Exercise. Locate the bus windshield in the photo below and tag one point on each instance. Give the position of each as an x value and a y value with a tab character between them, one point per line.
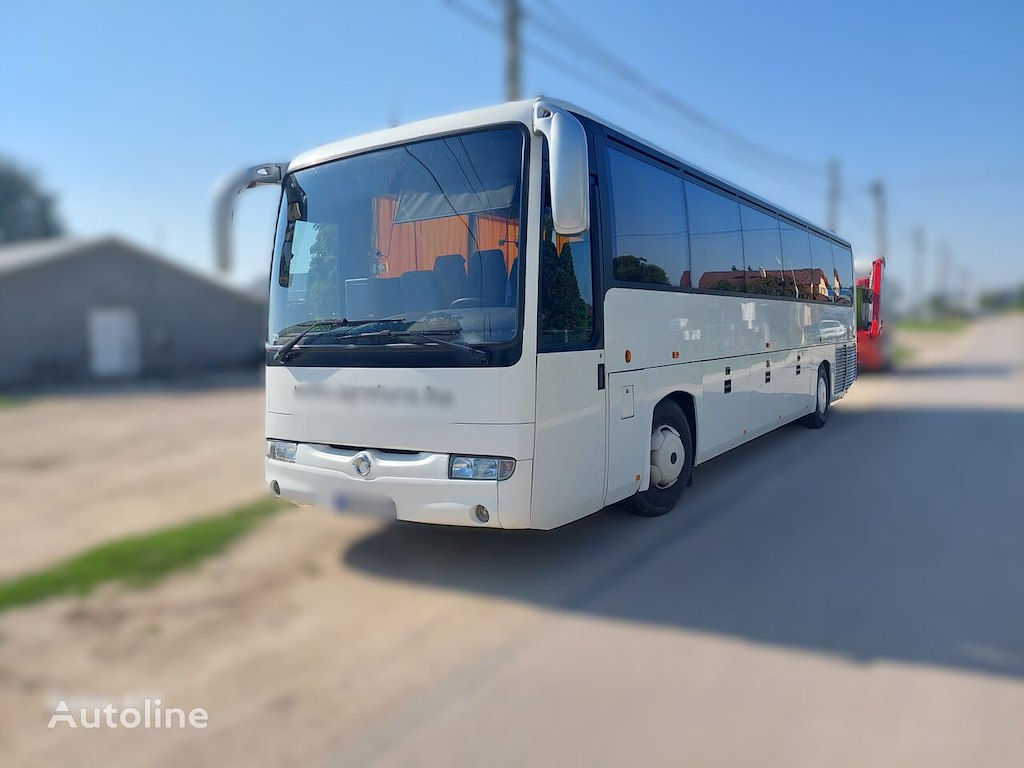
421	239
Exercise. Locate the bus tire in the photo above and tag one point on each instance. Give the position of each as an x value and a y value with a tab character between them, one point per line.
671	462
822	401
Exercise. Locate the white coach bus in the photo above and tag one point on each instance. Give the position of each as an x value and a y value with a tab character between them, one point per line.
515	316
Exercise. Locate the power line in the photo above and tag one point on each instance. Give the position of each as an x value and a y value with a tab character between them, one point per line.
473	15
490	25
630	85
634	82
586	44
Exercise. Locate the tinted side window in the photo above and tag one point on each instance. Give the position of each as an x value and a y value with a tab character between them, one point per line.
762	252
566	284
796	256
842	279
821	262
715	240
648	222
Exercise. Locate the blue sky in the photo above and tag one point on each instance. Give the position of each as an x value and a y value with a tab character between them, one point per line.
131	112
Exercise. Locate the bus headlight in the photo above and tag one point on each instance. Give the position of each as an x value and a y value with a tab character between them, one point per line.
480	468
281	450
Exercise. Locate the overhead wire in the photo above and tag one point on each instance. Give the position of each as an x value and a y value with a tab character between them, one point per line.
483	22
755	153
584	43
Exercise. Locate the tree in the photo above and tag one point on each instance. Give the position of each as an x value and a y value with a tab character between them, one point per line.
562	305
1004	299
635	269
769	285
26	212
324	281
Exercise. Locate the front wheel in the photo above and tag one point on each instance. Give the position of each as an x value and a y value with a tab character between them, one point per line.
671	462
822	398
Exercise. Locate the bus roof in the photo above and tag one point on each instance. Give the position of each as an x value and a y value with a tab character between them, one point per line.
510	112
514	112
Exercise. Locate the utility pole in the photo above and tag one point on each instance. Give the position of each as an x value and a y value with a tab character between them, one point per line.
512	91
881	224
917	280
965	290
944	266
834	195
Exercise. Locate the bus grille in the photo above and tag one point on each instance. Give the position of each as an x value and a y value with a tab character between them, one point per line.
845	368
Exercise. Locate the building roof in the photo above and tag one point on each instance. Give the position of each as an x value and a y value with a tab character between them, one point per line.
28	253
15	257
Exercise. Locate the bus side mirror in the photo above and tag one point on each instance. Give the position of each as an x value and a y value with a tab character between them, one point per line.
569	167
224	205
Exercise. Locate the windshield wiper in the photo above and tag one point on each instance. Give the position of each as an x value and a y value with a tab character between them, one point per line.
371	321
480	354
286	349
331	322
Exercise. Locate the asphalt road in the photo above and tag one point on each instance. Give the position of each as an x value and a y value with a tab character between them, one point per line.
853	596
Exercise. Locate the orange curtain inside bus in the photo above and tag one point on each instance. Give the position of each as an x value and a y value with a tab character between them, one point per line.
500	233
415	245
561	240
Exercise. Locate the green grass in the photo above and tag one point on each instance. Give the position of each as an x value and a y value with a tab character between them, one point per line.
9	402
942	325
137	561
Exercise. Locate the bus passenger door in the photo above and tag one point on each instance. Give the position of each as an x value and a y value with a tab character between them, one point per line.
569	448
569	453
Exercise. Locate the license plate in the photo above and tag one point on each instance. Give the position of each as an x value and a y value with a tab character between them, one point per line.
373	506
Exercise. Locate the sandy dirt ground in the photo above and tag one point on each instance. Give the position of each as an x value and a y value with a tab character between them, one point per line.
81	469
846	597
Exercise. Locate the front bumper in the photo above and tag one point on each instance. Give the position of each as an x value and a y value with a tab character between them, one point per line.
407	486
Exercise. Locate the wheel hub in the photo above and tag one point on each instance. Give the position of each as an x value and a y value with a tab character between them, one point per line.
822	395
667	456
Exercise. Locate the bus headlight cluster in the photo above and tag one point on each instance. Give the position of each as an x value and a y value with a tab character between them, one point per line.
281	450
480	468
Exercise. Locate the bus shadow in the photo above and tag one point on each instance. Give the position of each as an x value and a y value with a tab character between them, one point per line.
893	534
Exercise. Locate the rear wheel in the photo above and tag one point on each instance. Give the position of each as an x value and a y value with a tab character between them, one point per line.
822	399
671	461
